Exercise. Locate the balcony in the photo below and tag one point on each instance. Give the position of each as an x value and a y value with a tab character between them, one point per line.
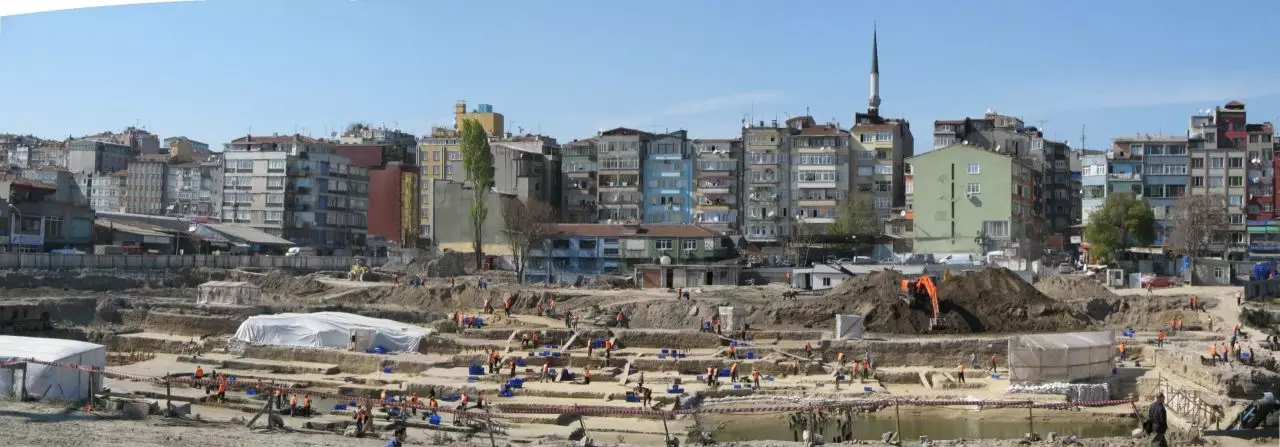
771	197
824	184
1125	177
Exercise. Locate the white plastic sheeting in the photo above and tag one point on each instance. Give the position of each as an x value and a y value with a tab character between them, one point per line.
848	327
329	330
732	318
1070	357
1075	392
50	382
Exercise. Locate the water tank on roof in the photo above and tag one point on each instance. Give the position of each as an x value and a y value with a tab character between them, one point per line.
484	108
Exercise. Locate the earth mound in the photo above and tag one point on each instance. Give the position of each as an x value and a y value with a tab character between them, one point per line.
993	300
1074	288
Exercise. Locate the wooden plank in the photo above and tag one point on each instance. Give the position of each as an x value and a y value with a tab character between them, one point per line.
626	372
513	336
569	345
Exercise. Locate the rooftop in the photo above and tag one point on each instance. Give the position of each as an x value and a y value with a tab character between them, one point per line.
644	230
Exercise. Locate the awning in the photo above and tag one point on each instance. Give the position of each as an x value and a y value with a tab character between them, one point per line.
125	228
247	234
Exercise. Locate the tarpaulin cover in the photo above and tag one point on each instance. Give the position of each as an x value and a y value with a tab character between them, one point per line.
328	330
1070	357
50	382
229	293
848	327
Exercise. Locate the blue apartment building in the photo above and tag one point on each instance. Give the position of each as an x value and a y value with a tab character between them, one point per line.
667	172
581	252
1164	176
1093	181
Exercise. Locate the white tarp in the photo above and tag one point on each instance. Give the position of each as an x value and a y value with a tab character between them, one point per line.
51	382
328	330
1073	357
732	318
848	327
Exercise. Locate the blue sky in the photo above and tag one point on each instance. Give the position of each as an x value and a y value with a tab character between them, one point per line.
218	69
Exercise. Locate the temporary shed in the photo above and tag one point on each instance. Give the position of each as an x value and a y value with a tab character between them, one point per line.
50	382
223	293
1072	357
329	330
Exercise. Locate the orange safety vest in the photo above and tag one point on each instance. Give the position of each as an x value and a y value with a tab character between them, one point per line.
306	401
733	368
1213	349
293	400
434	404
962	367
199	372
465	398
1122	348
1160	336
222	387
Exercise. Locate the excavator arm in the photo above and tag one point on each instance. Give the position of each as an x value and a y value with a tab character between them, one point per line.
926	283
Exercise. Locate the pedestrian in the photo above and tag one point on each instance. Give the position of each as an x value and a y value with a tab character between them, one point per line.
973	360
1213	352
1160	339
506	306
1157	422
733	373
622	320
993	363
960	373
755	376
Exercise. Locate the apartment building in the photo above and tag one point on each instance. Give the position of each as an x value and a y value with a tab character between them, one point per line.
106	191
973	200
145	190
528	167
620	185
1153	168
717	190
297	188
820	172
184	145
585	251
194	188
579	194
1094	173
493	123
766	154
1010	135
667	175
439	158
879	149
140	140
38	220
98	156
1229	156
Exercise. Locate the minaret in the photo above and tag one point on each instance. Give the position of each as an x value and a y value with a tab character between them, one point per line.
873	103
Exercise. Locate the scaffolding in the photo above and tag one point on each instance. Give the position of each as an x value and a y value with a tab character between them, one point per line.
229	293
1061	358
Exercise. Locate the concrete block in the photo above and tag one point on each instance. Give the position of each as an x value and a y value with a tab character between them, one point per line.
136	410
180	409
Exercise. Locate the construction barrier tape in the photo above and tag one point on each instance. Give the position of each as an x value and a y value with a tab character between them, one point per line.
587	410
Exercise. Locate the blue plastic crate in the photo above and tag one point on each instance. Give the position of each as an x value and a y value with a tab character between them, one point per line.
251	392
675	390
751	355
555	354
434	419
867	389
662	356
724	372
340	407
387	370
520	362
664	351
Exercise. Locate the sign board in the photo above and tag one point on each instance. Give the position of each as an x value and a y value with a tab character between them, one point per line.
1075	239
26	239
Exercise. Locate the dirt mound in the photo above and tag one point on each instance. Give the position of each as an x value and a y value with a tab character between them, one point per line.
605	282
993	300
283	284
1074	288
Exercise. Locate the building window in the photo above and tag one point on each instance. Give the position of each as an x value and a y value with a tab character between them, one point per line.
884	136
1219	273
53	227
662	244
826	281
1215	163
865	137
689	244
996	228
974	169
1235	200
275	165
973	188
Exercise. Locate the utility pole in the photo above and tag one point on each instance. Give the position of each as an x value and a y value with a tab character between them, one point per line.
1082	137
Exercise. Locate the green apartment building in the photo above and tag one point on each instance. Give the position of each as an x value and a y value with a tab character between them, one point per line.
971	200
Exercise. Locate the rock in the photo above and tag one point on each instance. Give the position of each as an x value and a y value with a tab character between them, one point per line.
886	437
179	409
350	432
136	410
693	311
1051	437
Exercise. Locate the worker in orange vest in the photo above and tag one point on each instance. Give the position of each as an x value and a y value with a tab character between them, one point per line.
506	306
199	376
586	376
1123	355
1160	339
960	373
1213	352
293	404
462	402
306	405
733	372
755	377
222	391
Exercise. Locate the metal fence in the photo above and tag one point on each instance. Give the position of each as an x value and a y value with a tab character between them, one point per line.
54	261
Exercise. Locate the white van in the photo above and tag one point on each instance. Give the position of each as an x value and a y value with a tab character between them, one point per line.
300	251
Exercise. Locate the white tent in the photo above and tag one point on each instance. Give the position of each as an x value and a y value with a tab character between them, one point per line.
50	382
329	330
1072	357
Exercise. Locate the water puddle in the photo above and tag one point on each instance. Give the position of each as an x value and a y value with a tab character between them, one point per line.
937	424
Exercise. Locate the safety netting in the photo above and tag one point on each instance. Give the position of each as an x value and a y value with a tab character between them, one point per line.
222	293
1068	357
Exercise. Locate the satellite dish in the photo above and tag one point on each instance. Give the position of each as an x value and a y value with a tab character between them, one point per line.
902	213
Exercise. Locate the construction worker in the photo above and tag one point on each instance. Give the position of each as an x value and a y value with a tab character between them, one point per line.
1173	324
608	348
993	363
755	377
1123	355
513	367
711	375
647	400
306	405
808	350
359	417
1213	352
1179	324
463	401
733	372
960	373
586	375
199	376
524	341
1160	339
839	359
866	369
1194	305
293	404
279	398
622	320
535	339
434	405
506	305
222	391
733	352
546	370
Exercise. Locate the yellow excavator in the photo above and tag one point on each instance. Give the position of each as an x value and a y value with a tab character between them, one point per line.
359	268
921	289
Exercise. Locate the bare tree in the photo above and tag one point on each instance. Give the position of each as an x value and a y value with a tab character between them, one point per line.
526	225
1196	220
800	240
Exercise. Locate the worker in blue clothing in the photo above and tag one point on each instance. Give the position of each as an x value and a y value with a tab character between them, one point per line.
1157	423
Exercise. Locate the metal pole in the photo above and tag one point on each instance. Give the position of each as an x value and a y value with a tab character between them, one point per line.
1031	420
168	393
897	420
489	416
666	433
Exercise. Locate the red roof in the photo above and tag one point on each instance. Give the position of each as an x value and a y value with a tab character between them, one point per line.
644	230
33	184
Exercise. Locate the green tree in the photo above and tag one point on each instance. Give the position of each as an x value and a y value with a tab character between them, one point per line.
1123	221
857	217
477	163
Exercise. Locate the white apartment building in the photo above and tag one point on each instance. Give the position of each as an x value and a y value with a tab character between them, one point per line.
195	188
297	188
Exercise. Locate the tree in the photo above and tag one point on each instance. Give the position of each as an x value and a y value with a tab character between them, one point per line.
526	225
800	240
1196	219
477	163
857	218
1123	221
